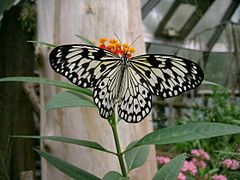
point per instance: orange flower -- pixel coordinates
(132, 50)
(113, 41)
(116, 47)
(102, 40)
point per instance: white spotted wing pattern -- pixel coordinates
(127, 84)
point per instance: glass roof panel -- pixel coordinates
(236, 16)
(156, 15)
(210, 19)
(204, 29)
(143, 2)
(180, 17)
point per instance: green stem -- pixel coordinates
(118, 147)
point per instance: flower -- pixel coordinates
(200, 154)
(189, 166)
(219, 177)
(181, 176)
(231, 164)
(116, 47)
(199, 163)
(102, 40)
(162, 159)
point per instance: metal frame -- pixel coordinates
(202, 7)
(148, 6)
(226, 17)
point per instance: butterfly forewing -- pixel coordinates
(166, 75)
(83, 65)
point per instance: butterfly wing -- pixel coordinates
(82, 64)
(135, 100)
(167, 75)
(105, 92)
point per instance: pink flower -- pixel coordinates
(219, 177)
(181, 176)
(195, 152)
(231, 164)
(189, 166)
(162, 159)
(200, 153)
(199, 163)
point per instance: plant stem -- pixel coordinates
(118, 148)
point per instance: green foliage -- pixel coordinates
(113, 175)
(68, 99)
(136, 153)
(51, 82)
(220, 107)
(136, 157)
(213, 84)
(187, 132)
(67, 168)
(85, 40)
(28, 17)
(43, 43)
(79, 142)
(170, 170)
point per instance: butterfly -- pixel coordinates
(126, 84)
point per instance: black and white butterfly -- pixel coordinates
(127, 84)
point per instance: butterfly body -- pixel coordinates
(122, 82)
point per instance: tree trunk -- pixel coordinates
(58, 22)
(16, 111)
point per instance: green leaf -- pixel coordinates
(214, 84)
(49, 82)
(79, 142)
(67, 168)
(230, 153)
(68, 99)
(235, 121)
(171, 170)
(113, 175)
(187, 132)
(43, 43)
(136, 157)
(85, 40)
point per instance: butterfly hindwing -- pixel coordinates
(105, 93)
(167, 75)
(82, 64)
(135, 100)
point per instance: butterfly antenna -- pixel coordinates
(118, 38)
(134, 42)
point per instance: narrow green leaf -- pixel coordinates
(171, 170)
(235, 121)
(43, 43)
(230, 153)
(68, 99)
(136, 157)
(67, 168)
(49, 82)
(187, 132)
(85, 40)
(214, 84)
(113, 175)
(79, 142)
